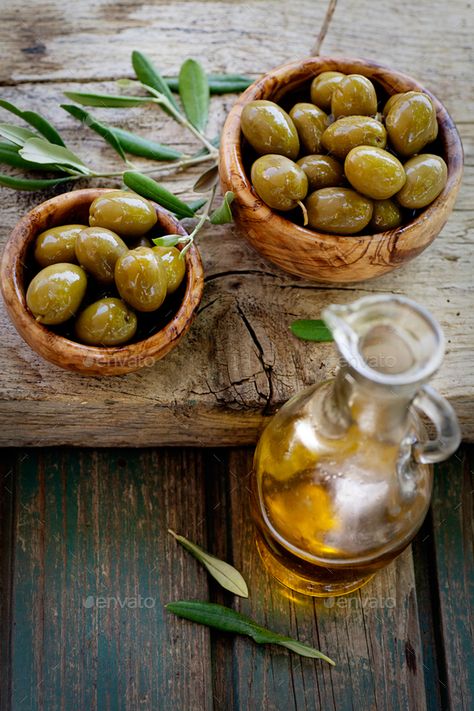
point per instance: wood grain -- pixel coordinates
(237, 362)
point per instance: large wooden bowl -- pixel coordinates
(73, 207)
(314, 255)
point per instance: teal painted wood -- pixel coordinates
(453, 521)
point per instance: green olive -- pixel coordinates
(354, 95)
(351, 131)
(391, 102)
(338, 211)
(128, 214)
(374, 172)
(269, 129)
(322, 88)
(310, 122)
(57, 245)
(141, 279)
(279, 182)
(107, 322)
(56, 292)
(97, 250)
(174, 264)
(426, 177)
(322, 171)
(411, 123)
(386, 216)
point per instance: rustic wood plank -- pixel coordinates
(94, 566)
(7, 502)
(237, 363)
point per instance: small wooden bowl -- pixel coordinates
(314, 255)
(73, 207)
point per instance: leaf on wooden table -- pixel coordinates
(311, 330)
(194, 93)
(148, 74)
(143, 147)
(9, 181)
(207, 180)
(223, 214)
(41, 124)
(218, 83)
(106, 101)
(149, 188)
(38, 150)
(16, 134)
(96, 126)
(226, 575)
(9, 155)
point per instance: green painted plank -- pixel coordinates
(453, 520)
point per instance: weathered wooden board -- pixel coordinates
(86, 566)
(238, 362)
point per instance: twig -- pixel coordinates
(316, 50)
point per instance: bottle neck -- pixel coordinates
(377, 411)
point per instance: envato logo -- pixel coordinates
(119, 361)
(116, 601)
(345, 602)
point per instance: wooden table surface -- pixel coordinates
(82, 526)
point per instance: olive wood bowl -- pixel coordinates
(73, 207)
(315, 255)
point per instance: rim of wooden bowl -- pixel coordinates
(68, 354)
(291, 76)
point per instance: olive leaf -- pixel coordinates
(9, 155)
(16, 134)
(38, 150)
(150, 76)
(218, 83)
(106, 101)
(96, 126)
(207, 180)
(223, 214)
(227, 620)
(194, 93)
(9, 181)
(41, 124)
(311, 330)
(149, 188)
(143, 147)
(196, 204)
(166, 240)
(226, 575)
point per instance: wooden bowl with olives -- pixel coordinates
(342, 169)
(87, 289)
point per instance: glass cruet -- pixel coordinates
(343, 472)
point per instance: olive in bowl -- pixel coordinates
(128, 340)
(389, 232)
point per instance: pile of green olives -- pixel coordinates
(351, 161)
(99, 280)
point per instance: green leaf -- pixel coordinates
(16, 134)
(36, 120)
(96, 126)
(38, 150)
(150, 76)
(311, 330)
(196, 204)
(228, 620)
(9, 155)
(223, 214)
(226, 575)
(218, 83)
(194, 92)
(138, 146)
(149, 188)
(106, 101)
(166, 241)
(8, 181)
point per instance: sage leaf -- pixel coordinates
(207, 180)
(143, 147)
(166, 240)
(150, 76)
(96, 126)
(223, 214)
(149, 188)
(224, 618)
(194, 93)
(226, 575)
(9, 181)
(311, 330)
(218, 83)
(9, 155)
(16, 134)
(106, 101)
(41, 124)
(38, 150)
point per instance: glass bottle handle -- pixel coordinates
(442, 415)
